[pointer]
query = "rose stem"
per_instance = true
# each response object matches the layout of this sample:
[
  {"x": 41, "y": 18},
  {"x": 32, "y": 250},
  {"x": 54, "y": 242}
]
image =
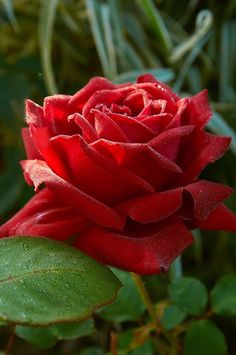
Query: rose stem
[
  {"x": 10, "y": 341},
  {"x": 176, "y": 271},
  {"x": 145, "y": 298}
]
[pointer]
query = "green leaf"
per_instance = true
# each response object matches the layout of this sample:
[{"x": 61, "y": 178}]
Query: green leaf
[
  {"x": 172, "y": 316},
  {"x": 122, "y": 309},
  {"x": 189, "y": 294},
  {"x": 44, "y": 282},
  {"x": 93, "y": 350},
  {"x": 146, "y": 349},
  {"x": 223, "y": 296},
  {"x": 41, "y": 337},
  {"x": 73, "y": 330},
  {"x": 204, "y": 338},
  {"x": 47, "y": 337}
]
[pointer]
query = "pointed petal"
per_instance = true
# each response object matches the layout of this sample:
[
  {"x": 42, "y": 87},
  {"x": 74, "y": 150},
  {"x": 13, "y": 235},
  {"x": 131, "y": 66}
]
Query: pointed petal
[
  {"x": 204, "y": 149},
  {"x": 198, "y": 111},
  {"x": 34, "y": 113},
  {"x": 221, "y": 218},
  {"x": 206, "y": 196},
  {"x": 31, "y": 150}
]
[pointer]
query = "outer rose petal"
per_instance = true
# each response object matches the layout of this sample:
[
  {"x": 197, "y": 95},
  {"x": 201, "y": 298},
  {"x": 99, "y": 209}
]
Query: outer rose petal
[
  {"x": 37, "y": 172},
  {"x": 209, "y": 148},
  {"x": 31, "y": 151},
  {"x": 34, "y": 113},
  {"x": 45, "y": 216},
  {"x": 206, "y": 196},
  {"x": 198, "y": 111},
  {"x": 148, "y": 255},
  {"x": 221, "y": 218}
]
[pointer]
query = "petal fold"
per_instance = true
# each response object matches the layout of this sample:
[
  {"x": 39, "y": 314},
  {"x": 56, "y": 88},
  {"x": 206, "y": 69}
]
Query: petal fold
[
  {"x": 149, "y": 254},
  {"x": 37, "y": 172}
]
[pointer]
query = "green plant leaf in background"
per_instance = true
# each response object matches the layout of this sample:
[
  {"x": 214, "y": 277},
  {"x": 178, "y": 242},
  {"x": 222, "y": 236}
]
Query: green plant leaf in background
[
  {"x": 128, "y": 305},
  {"x": 44, "y": 282},
  {"x": 189, "y": 294},
  {"x": 172, "y": 316},
  {"x": 223, "y": 296},
  {"x": 47, "y": 337},
  {"x": 45, "y": 28},
  {"x": 203, "y": 337}
]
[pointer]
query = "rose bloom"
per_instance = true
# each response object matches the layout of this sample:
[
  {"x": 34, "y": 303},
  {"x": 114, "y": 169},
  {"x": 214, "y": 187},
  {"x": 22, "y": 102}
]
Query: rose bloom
[{"x": 119, "y": 168}]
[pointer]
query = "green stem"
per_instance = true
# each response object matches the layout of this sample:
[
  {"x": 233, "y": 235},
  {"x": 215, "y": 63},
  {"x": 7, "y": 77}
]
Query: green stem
[
  {"x": 176, "y": 271},
  {"x": 10, "y": 341},
  {"x": 145, "y": 298}
]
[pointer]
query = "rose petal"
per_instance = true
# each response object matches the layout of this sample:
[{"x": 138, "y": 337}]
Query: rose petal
[
  {"x": 198, "y": 111},
  {"x": 205, "y": 148},
  {"x": 206, "y": 196},
  {"x": 45, "y": 216},
  {"x": 34, "y": 113},
  {"x": 168, "y": 142},
  {"x": 96, "y": 175},
  {"x": 107, "y": 128},
  {"x": 37, "y": 172},
  {"x": 156, "y": 123},
  {"x": 147, "y": 254},
  {"x": 148, "y": 78},
  {"x": 88, "y": 132},
  {"x": 98, "y": 99},
  {"x": 221, "y": 218},
  {"x": 56, "y": 111},
  {"x": 41, "y": 139},
  {"x": 31, "y": 151},
  {"x": 134, "y": 130},
  {"x": 78, "y": 100},
  {"x": 153, "y": 207},
  {"x": 160, "y": 91},
  {"x": 178, "y": 118}
]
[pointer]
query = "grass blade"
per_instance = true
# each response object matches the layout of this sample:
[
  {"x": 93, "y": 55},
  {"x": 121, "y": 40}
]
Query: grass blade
[
  {"x": 45, "y": 27},
  {"x": 157, "y": 24}
]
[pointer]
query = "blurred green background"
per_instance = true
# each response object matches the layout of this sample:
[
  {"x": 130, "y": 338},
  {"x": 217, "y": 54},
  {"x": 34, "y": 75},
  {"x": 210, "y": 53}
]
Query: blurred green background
[{"x": 49, "y": 46}]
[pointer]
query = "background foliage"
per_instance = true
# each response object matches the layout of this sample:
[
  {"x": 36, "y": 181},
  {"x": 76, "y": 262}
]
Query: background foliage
[{"x": 57, "y": 46}]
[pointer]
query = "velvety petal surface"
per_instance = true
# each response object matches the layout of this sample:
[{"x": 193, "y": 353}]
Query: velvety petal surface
[
  {"x": 37, "y": 172},
  {"x": 149, "y": 254},
  {"x": 45, "y": 216}
]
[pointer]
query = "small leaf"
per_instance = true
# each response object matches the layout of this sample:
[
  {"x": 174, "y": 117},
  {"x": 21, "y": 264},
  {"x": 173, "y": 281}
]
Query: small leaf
[
  {"x": 172, "y": 316},
  {"x": 189, "y": 294},
  {"x": 73, "y": 330},
  {"x": 93, "y": 350},
  {"x": 44, "y": 282},
  {"x": 41, "y": 337},
  {"x": 203, "y": 337},
  {"x": 47, "y": 337},
  {"x": 223, "y": 296},
  {"x": 122, "y": 309}
]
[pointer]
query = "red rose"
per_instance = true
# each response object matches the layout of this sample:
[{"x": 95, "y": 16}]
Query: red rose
[{"x": 120, "y": 166}]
